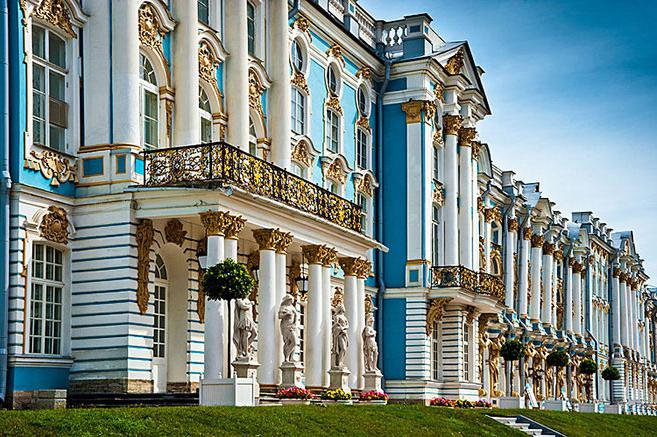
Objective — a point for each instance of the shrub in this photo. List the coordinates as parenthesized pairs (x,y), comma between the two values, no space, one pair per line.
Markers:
(442,402)
(483,403)
(336,395)
(558,358)
(294,393)
(227,280)
(512,350)
(588,366)
(373,395)
(610,374)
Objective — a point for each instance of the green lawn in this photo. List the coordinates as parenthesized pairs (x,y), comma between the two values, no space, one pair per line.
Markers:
(392,420)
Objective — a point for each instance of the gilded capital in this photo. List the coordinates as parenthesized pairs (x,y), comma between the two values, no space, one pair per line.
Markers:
(215,222)
(363,268)
(537,240)
(467,136)
(348,265)
(267,239)
(315,253)
(284,241)
(476,149)
(527,234)
(330,257)
(548,248)
(235,226)
(491,214)
(513,225)
(413,110)
(452,124)
(616,272)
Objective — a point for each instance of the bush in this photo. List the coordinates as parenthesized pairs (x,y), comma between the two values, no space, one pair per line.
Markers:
(373,395)
(512,350)
(483,403)
(610,374)
(227,280)
(294,393)
(588,366)
(558,358)
(336,395)
(441,402)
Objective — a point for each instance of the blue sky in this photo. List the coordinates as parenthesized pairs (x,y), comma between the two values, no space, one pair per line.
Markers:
(573,91)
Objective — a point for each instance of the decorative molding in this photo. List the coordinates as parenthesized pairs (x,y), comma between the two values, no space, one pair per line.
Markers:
(455,64)
(348,265)
(284,241)
(330,257)
(234,226)
(548,248)
(144,238)
(439,194)
(168,107)
(481,206)
(151,31)
(53,166)
(267,239)
(435,312)
(513,225)
(174,232)
(301,154)
(414,108)
(439,92)
(333,102)
(364,184)
(255,93)
(476,149)
(301,24)
(57,13)
(299,81)
(207,63)
(492,214)
(336,52)
(334,171)
(527,234)
(54,225)
(215,222)
(364,123)
(365,73)
(338,297)
(471,314)
(537,240)
(438,135)
(452,124)
(467,136)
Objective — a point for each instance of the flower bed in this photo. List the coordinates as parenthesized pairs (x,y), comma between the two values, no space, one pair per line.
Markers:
(295,394)
(374,397)
(338,395)
(459,403)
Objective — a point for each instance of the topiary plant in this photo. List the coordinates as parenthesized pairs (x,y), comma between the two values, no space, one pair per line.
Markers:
(588,366)
(558,358)
(227,280)
(610,374)
(512,350)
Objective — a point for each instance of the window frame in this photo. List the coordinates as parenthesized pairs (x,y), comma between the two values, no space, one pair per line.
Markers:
(205,22)
(205,114)
(435,349)
(333,120)
(160,325)
(362,148)
(297,55)
(366,110)
(145,86)
(252,35)
(298,111)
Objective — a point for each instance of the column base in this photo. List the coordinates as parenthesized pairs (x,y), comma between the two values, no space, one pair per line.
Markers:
(372,381)
(556,405)
(614,409)
(291,374)
(514,402)
(589,407)
(239,392)
(246,369)
(339,378)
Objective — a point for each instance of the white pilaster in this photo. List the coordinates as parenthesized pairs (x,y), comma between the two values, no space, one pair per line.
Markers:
(314,344)
(360,300)
(237,71)
(185,72)
(327,323)
(214,356)
(280,94)
(577,298)
(466,199)
(624,313)
(281,290)
(536,263)
(451,123)
(548,262)
(523,272)
(509,268)
(568,298)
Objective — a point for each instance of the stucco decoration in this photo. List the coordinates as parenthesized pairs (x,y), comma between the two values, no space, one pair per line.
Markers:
(152,28)
(144,240)
(57,13)
(289,317)
(335,171)
(174,232)
(301,154)
(454,64)
(299,81)
(244,330)
(54,225)
(333,102)
(256,89)
(53,166)
(207,63)
(435,312)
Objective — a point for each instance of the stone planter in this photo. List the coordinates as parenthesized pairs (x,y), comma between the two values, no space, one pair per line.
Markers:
(514,402)
(295,401)
(374,402)
(344,402)
(556,405)
(240,392)
(589,407)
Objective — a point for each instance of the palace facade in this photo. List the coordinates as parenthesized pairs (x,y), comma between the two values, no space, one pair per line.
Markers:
(337,157)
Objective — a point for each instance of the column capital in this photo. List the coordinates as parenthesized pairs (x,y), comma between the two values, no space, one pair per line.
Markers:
(537,240)
(548,248)
(476,149)
(616,272)
(315,253)
(331,257)
(578,267)
(414,108)
(467,136)
(527,234)
(235,226)
(452,124)
(491,214)
(215,222)
(513,225)
(558,254)
(363,268)
(348,265)
(272,239)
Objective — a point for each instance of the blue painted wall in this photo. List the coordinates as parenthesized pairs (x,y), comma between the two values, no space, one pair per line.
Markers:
(394,339)
(37,378)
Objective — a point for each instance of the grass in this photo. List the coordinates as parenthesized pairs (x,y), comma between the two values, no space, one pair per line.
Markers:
(391,420)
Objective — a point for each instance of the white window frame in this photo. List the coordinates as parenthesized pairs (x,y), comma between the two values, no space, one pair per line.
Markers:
(209,9)
(160,283)
(368,101)
(467,355)
(328,128)
(205,115)
(147,87)
(294,111)
(363,199)
(436,352)
(367,146)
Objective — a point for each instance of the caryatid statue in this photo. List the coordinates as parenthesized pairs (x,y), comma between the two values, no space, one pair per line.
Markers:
(340,336)
(289,318)
(370,348)
(245,330)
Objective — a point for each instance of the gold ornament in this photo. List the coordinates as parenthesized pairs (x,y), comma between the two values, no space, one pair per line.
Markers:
(334,171)
(55,12)
(151,32)
(174,232)
(302,24)
(54,225)
(467,136)
(299,81)
(300,154)
(207,63)
(255,93)
(413,110)
(52,166)
(364,73)
(144,240)
(455,63)
(435,312)
(452,124)
(439,194)
(333,102)
(215,222)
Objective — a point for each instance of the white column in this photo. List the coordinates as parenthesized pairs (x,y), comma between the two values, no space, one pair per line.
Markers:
(466,201)
(623,310)
(313,329)
(327,321)
(361,325)
(536,263)
(349,266)
(230,251)
(509,268)
(280,93)
(616,308)
(185,72)
(237,73)
(475,208)
(267,314)
(631,317)
(548,261)
(281,291)
(523,272)
(488,236)
(452,124)
(569,265)
(577,298)
(125,72)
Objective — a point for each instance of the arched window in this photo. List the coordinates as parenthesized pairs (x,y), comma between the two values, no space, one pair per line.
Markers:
(332,130)
(149,109)
(251,27)
(49,96)
(298,111)
(332,81)
(46,300)
(362,149)
(253,139)
(159,311)
(363,202)
(495,233)
(296,54)
(206,116)
(363,101)
(160,268)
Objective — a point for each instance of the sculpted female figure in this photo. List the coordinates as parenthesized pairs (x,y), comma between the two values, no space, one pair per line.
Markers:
(289,324)
(370,348)
(245,330)
(340,336)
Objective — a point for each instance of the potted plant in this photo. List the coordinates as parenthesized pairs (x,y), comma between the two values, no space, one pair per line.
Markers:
(227,280)
(373,397)
(338,395)
(511,351)
(295,395)
(557,358)
(442,402)
(588,367)
(611,373)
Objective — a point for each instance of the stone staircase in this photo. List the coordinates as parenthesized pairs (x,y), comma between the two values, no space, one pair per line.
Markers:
(526,425)
(108,400)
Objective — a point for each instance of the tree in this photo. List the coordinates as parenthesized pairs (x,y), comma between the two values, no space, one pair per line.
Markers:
(511,351)
(588,367)
(557,358)
(611,374)
(227,280)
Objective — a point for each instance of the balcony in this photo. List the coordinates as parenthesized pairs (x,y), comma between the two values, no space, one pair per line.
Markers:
(462,277)
(220,164)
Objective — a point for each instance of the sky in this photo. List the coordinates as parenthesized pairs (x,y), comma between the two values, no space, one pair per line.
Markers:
(572,87)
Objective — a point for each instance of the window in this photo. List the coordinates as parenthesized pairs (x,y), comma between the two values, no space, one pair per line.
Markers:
(46,300)
(363,102)
(298,111)
(204,11)
(332,130)
(435,351)
(253,141)
(436,164)
(333,187)
(149,103)
(206,116)
(296,169)
(250,27)
(297,56)
(49,106)
(466,352)
(362,202)
(495,233)
(332,80)
(361,148)
(159,312)
(435,232)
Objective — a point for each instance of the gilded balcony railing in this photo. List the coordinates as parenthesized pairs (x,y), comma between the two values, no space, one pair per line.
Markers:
(462,277)
(221,163)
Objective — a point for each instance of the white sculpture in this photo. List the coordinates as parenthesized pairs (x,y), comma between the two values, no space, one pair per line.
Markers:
(245,330)
(370,348)
(289,318)
(340,336)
